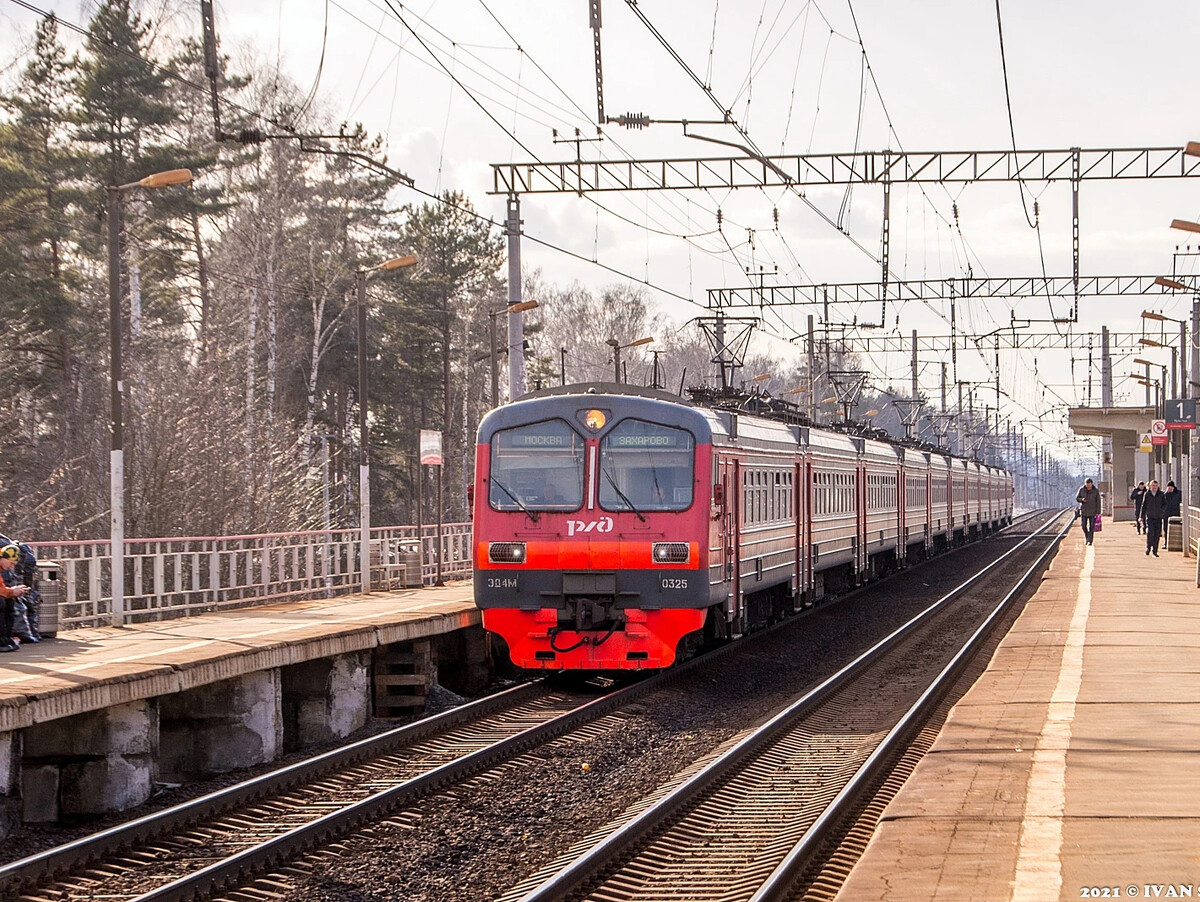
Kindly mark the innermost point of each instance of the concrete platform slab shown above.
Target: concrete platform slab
(85, 670)
(1071, 765)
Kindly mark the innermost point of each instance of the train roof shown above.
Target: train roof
(709, 424)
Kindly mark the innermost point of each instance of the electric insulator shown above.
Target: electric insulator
(250, 136)
(634, 120)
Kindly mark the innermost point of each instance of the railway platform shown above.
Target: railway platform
(90, 721)
(1069, 770)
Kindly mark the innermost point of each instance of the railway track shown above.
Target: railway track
(195, 849)
(750, 820)
(221, 841)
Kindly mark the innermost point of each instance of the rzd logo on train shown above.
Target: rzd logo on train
(604, 524)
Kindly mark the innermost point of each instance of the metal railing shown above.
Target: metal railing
(178, 577)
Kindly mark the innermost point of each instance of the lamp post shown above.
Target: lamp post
(1190, 388)
(618, 348)
(364, 465)
(116, 471)
(1179, 389)
(1149, 382)
(1144, 378)
(511, 308)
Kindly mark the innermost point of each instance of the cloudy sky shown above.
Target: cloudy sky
(457, 85)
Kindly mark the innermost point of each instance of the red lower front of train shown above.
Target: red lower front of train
(649, 639)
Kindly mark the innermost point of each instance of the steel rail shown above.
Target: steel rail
(777, 886)
(60, 859)
(586, 867)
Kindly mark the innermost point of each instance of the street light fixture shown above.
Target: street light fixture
(519, 307)
(1164, 282)
(618, 348)
(1185, 225)
(364, 465)
(116, 473)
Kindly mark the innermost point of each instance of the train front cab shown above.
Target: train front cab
(591, 517)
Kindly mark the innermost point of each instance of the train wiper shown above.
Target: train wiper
(532, 515)
(622, 495)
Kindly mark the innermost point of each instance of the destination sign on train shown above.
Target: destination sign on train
(546, 439)
(670, 440)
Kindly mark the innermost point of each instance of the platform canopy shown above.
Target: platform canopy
(1104, 421)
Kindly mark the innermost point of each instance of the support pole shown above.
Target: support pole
(364, 462)
(516, 326)
(812, 372)
(916, 389)
(421, 519)
(1075, 175)
(1193, 391)
(1108, 471)
(438, 581)
(495, 363)
(887, 229)
(116, 396)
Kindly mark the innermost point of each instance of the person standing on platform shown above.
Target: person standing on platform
(1174, 501)
(1154, 509)
(1136, 497)
(1088, 498)
(11, 588)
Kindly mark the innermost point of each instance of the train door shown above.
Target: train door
(800, 480)
(860, 518)
(929, 507)
(729, 478)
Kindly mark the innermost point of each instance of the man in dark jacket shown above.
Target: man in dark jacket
(1088, 498)
(1174, 500)
(1154, 509)
(1136, 497)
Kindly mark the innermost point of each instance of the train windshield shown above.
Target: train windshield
(537, 468)
(646, 467)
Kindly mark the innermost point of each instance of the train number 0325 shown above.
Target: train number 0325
(674, 583)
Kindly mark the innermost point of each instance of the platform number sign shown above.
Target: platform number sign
(1180, 413)
(1158, 432)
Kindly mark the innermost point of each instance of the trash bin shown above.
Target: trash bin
(53, 589)
(412, 569)
(1174, 534)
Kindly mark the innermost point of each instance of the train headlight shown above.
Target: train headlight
(671, 552)
(506, 552)
(595, 420)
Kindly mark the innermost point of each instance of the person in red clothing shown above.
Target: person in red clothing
(10, 590)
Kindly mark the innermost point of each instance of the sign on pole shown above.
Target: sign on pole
(1146, 446)
(1158, 432)
(1181, 413)
(431, 447)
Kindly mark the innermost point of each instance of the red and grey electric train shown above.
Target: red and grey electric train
(613, 521)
